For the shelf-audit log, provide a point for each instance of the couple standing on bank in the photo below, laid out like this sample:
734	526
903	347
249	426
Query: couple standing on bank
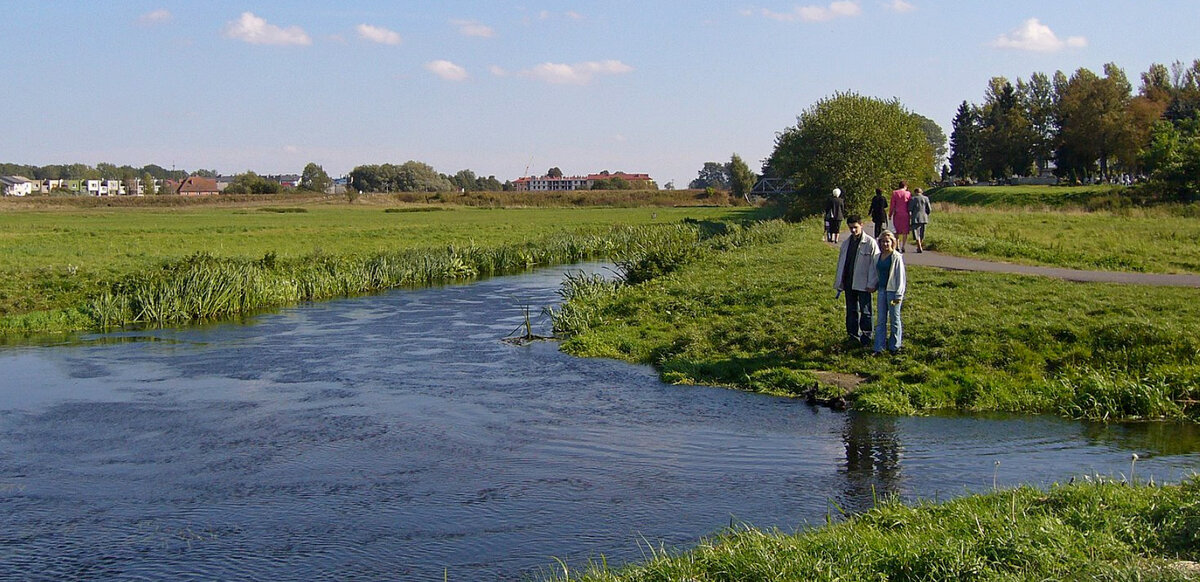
864	267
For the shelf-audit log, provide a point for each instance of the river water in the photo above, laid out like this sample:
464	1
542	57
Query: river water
396	437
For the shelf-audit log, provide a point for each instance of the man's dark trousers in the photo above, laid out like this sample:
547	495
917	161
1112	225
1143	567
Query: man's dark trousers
858	316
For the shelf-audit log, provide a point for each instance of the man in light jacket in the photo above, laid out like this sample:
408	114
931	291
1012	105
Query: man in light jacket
856	261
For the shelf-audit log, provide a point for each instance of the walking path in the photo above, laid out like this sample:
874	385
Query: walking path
954	263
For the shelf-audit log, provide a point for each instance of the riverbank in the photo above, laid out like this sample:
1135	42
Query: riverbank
765	318
1087	530
57	262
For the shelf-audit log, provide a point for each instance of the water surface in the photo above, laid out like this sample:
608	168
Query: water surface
395	437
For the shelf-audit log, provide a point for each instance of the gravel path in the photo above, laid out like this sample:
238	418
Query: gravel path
955	263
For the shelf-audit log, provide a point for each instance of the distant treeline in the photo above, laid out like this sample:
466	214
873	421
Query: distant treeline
1085	127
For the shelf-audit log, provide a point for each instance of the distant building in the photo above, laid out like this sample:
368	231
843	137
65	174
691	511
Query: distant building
569	183
197	186
16	185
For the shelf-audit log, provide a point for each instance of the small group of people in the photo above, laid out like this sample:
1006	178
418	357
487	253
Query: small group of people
866	266
908	212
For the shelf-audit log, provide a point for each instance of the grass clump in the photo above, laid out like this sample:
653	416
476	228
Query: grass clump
763	316
1087	531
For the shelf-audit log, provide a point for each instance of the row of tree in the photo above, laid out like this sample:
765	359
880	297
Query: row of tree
414	176
101	171
734	175
1084	126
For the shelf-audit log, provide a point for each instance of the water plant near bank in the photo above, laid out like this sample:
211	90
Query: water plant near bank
1098	529
204	286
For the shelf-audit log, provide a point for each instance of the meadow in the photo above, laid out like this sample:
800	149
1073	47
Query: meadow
56	256
1066	227
1093	530
764	317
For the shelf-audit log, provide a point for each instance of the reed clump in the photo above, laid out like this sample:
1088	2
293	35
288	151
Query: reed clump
203	286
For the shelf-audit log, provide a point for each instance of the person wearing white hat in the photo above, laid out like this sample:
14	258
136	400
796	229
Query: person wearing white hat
835	210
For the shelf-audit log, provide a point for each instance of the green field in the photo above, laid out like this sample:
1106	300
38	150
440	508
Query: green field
56	257
765	318
1034	196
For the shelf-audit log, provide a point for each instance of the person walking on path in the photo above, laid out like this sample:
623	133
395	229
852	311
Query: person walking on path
889	279
918	215
879	212
856	261
835	209
898	212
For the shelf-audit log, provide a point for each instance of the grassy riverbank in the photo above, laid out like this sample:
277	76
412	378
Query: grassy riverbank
56	262
1052	225
1084	531
764	317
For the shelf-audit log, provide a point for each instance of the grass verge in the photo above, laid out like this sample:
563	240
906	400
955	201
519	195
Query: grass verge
763	317
1084	531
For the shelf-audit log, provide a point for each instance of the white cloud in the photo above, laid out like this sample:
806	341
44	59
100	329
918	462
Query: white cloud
254	30
378	34
160	16
291	149
812	13
497	71
472	28
446	70
577	74
900	6
574	15
1037	37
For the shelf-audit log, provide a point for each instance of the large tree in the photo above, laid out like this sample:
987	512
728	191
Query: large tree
314	178
855	143
1008	136
1096	125
712	175
966	157
741	179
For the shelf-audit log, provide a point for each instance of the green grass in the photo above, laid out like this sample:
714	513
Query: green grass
55	258
1037	196
1085	531
1142	240
764	317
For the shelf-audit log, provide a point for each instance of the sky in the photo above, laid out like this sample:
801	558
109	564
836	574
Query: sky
508	88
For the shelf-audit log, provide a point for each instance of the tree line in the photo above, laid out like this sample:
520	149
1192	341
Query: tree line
1083	127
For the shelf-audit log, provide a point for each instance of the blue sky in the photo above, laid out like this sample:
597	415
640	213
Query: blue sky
650	86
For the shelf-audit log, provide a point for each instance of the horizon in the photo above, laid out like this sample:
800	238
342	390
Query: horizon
510	90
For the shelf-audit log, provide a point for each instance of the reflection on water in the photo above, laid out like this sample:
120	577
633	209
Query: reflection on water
873	451
395	437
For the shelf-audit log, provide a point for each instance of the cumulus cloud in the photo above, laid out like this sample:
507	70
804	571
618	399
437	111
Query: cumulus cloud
378	34
813	13
160	16
498	71
446	70
1037	37
577	74
472	28
254	30
900	6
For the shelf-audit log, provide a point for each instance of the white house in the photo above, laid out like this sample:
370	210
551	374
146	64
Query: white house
16	185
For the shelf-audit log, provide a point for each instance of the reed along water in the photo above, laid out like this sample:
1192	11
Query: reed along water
396	437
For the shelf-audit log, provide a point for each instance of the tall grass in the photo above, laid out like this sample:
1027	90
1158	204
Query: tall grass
203	286
1086	531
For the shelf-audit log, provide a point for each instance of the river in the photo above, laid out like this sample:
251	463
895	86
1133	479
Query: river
396	437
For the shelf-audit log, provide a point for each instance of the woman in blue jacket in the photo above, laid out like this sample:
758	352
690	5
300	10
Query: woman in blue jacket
889	279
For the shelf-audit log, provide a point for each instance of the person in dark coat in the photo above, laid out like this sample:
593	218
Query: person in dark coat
879	213
835	210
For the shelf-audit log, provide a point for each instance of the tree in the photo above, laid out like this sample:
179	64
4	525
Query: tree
741	179
966	158
148	187
1095	121
554	172
1039	102
1007	136
314	178
936	138
1173	157
712	175
855	143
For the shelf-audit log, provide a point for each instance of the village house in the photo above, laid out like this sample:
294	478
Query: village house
197	186
16	185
